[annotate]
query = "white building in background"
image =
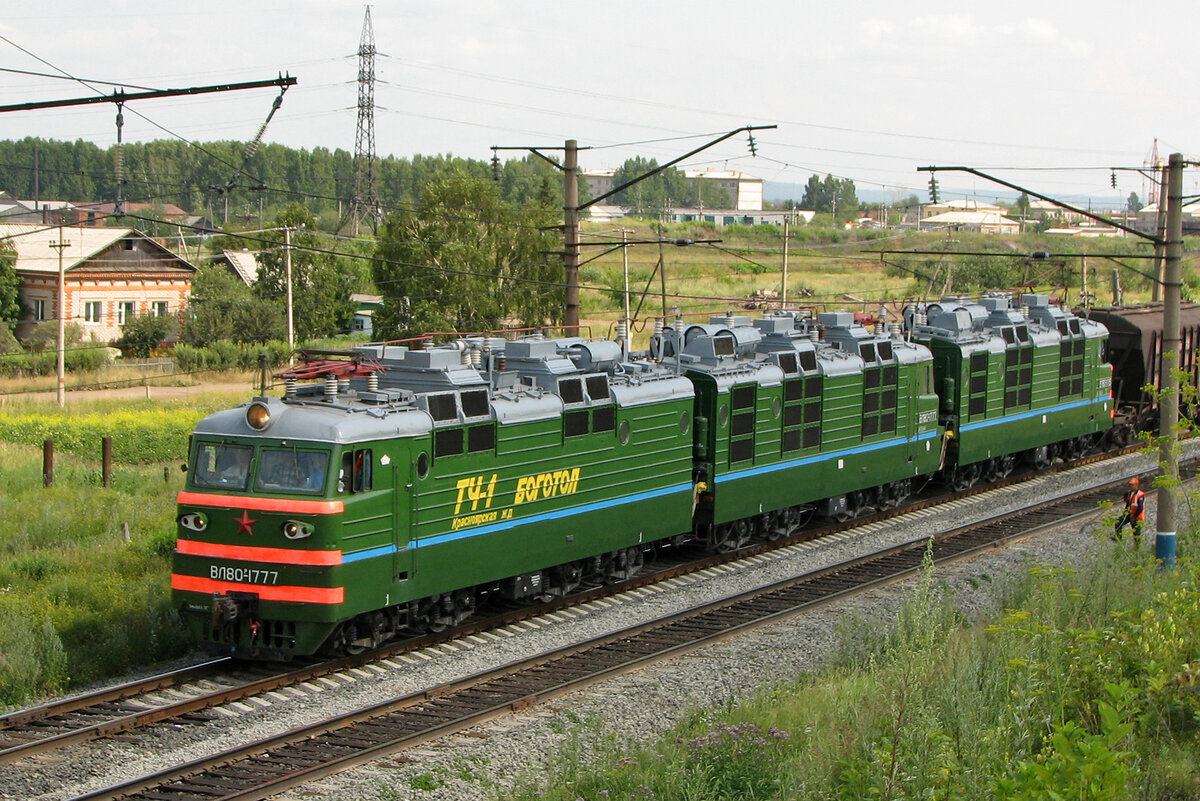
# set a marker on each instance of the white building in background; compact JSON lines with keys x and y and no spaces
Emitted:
{"x":745,"y":191}
{"x":966,"y":204}
{"x":987,"y":222}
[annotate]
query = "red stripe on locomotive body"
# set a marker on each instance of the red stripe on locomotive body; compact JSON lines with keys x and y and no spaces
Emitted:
{"x":251,"y":553}
{"x":312,"y":595}
{"x":262,"y":504}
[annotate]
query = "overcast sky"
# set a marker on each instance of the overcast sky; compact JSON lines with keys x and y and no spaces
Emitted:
{"x":867,"y":90}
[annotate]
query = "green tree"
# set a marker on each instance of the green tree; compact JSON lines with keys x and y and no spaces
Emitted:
{"x":465,"y":260}
{"x":10,"y":285}
{"x":834,"y":196}
{"x":321,"y":282}
{"x":144,"y":333}
{"x":222,"y":307}
{"x":1021,"y":207}
{"x":651,"y":197}
{"x":1134,"y":203}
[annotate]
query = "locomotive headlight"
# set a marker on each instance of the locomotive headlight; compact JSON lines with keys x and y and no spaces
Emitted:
{"x":194,"y":521}
{"x":297,"y":530}
{"x":258,"y":416}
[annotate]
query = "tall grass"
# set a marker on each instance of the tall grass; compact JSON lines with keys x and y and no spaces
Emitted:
{"x":78,"y":602}
{"x":1086,"y":687}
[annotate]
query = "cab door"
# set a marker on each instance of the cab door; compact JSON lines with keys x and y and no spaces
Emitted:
{"x":405,"y":519}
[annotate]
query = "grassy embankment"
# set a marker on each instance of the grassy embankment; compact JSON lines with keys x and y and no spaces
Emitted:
{"x":1087,"y":686}
{"x":79,"y":602}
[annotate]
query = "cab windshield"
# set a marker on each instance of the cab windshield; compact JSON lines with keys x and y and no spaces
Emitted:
{"x":292,"y":471}
{"x":222,"y":466}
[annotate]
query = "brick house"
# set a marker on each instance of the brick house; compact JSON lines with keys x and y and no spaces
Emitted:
{"x":111,"y":275}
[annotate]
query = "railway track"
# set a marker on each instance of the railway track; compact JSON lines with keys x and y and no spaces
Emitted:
{"x":185,"y":695}
{"x":266,"y":767}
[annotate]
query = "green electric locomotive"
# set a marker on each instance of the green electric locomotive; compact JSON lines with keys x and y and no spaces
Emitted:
{"x":1015,"y":384}
{"x":408,"y":484}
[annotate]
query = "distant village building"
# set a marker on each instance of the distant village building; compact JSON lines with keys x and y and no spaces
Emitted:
{"x":16,"y":211}
{"x":722,"y":217}
{"x":987,"y":222}
{"x":111,"y":275}
{"x":1045,"y":210}
{"x":745,"y":191}
{"x":925,"y":210}
{"x":365,"y":307}
{"x":1147,"y":218}
{"x":35,"y":212}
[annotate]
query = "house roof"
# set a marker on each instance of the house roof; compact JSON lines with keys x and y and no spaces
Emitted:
{"x":965,"y":204}
{"x":164,"y":209}
{"x":970,"y":218}
{"x":35,"y":255}
{"x":729,"y":175}
{"x":244,"y":263}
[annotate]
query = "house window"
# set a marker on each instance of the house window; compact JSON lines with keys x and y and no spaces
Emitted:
{"x":126,"y":311}
{"x":160,"y":308}
{"x":39,"y":310}
{"x":92,"y":310}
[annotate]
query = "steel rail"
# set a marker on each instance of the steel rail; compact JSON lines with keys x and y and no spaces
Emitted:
{"x":267,"y":767}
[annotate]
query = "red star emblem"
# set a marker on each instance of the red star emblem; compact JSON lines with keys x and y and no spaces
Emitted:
{"x":244,"y":523}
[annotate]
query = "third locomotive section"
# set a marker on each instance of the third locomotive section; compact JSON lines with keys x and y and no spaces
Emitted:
{"x":1015,"y":384}
{"x":408,"y":485}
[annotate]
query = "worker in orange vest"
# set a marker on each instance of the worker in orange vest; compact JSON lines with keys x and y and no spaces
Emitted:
{"x":1135,"y":511}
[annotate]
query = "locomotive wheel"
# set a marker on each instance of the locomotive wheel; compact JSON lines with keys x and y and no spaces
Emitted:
{"x":728,"y":537}
{"x":565,"y":579}
{"x":964,"y":478}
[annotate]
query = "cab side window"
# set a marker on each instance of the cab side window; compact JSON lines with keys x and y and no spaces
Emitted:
{"x":355,"y":475}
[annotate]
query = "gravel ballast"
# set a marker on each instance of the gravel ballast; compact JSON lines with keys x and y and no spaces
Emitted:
{"x":632,"y":708}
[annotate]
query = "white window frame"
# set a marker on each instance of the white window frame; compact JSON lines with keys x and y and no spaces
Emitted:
{"x":39,"y":309}
{"x":161,"y":308}
{"x":126,"y":310}
{"x":90,"y":306}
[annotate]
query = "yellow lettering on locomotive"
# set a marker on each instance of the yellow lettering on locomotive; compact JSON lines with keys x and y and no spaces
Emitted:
{"x":475,"y":494}
{"x":471,"y":488}
{"x":546,"y":485}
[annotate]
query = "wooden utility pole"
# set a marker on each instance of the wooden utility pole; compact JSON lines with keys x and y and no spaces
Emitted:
{"x":61,"y":362}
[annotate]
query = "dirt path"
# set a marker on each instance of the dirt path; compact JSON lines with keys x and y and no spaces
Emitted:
{"x":243,"y":388}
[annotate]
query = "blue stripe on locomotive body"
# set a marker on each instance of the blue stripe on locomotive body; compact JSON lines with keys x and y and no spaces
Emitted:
{"x":1014,"y":379}
{"x":1104,"y":402}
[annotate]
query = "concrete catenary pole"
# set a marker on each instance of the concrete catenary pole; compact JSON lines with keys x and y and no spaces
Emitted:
{"x":1164,"y":539}
{"x":287,"y":261}
{"x":571,"y":236}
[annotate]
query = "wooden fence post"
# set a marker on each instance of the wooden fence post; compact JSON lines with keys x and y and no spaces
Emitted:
{"x":106,"y":460}
{"x":47,"y":463}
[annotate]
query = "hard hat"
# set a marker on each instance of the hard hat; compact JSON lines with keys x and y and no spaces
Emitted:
{"x":1135,"y":481}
